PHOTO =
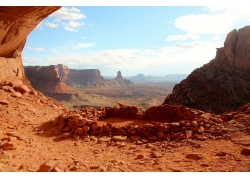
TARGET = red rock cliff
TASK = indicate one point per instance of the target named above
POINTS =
(46, 79)
(223, 84)
(16, 22)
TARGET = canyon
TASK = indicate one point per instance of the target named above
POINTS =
(40, 134)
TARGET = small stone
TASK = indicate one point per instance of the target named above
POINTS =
(121, 145)
(160, 135)
(144, 140)
(221, 154)
(193, 156)
(194, 123)
(132, 147)
(135, 138)
(16, 94)
(7, 145)
(139, 142)
(23, 88)
(57, 169)
(47, 166)
(93, 138)
(201, 130)
(105, 138)
(141, 162)
(4, 102)
(175, 124)
(74, 168)
(119, 138)
(148, 125)
(15, 83)
(103, 169)
(205, 165)
(140, 156)
(149, 145)
(245, 151)
(156, 154)
(152, 138)
(189, 133)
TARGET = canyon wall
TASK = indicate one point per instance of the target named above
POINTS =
(46, 79)
(223, 84)
(16, 22)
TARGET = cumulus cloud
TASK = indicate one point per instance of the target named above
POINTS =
(51, 25)
(189, 55)
(183, 37)
(73, 24)
(31, 61)
(70, 29)
(68, 14)
(36, 49)
(224, 18)
(83, 45)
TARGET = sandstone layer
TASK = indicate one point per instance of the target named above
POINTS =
(222, 85)
(78, 78)
(15, 25)
(46, 79)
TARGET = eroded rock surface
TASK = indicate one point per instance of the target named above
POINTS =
(222, 85)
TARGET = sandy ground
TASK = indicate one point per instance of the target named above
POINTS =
(30, 146)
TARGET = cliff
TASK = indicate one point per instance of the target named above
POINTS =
(88, 78)
(15, 25)
(223, 84)
(46, 79)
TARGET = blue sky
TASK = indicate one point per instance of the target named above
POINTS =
(156, 40)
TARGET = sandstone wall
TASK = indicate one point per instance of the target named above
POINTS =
(223, 84)
(16, 22)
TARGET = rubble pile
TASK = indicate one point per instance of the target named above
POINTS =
(178, 123)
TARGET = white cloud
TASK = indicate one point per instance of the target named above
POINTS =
(73, 24)
(70, 29)
(51, 25)
(83, 45)
(183, 37)
(75, 9)
(224, 18)
(68, 14)
(217, 38)
(188, 55)
(56, 20)
(31, 61)
(36, 49)
(216, 8)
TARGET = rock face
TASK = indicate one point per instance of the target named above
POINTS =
(119, 79)
(74, 78)
(223, 84)
(46, 79)
(15, 25)
(83, 77)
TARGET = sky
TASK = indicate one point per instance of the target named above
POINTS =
(150, 40)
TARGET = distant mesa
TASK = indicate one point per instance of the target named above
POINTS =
(119, 79)
(223, 84)
(139, 76)
(71, 78)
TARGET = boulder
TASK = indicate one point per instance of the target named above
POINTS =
(47, 166)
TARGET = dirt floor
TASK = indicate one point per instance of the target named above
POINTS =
(29, 146)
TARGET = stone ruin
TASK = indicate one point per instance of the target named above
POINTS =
(167, 123)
